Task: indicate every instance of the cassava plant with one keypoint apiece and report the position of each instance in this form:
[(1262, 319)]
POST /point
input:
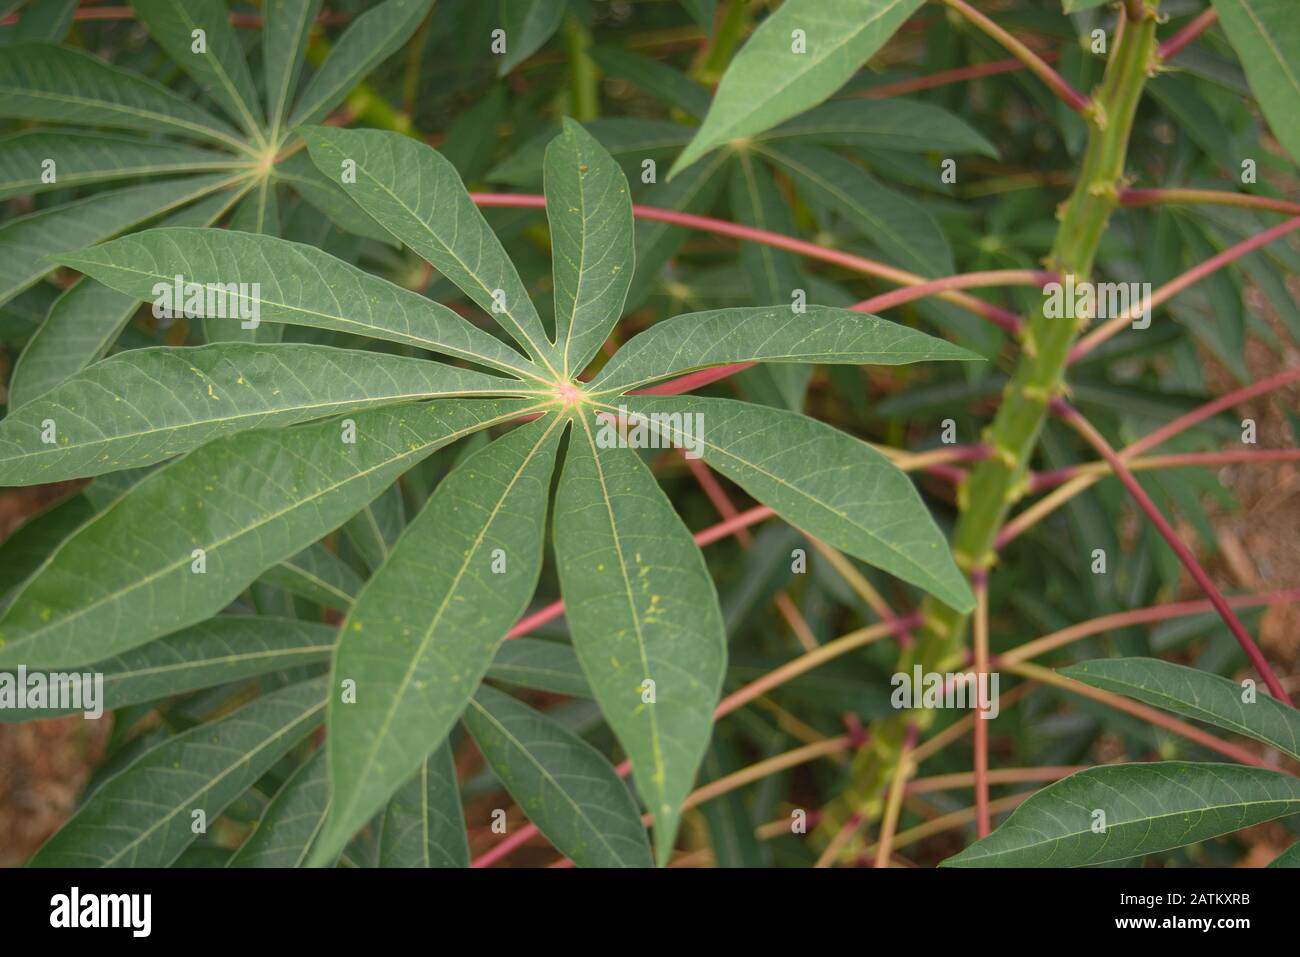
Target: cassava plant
[(418, 466)]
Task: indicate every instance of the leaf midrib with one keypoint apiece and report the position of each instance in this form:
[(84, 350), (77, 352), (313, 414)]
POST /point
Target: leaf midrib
[(398, 695), (222, 542), (659, 775), (902, 556)]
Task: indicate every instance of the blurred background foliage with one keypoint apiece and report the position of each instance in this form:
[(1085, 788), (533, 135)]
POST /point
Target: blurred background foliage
[(867, 181)]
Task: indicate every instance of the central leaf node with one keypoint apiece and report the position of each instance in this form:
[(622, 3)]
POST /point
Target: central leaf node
[(569, 394)]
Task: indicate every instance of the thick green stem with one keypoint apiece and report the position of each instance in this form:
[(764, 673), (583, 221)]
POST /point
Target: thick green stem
[(584, 79), (731, 28), (1000, 480)]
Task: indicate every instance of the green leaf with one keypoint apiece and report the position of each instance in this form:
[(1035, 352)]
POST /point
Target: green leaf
[(367, 42), (249, 501), (424, 630), (630, 140), (291, 283), (1288, 858), (284, 833), (821, 480), (28, 244), (326, 195), (694, 191), (1148, 808), (592, 255), (641, 607), (565, 786), (443, 225), (651, 76), (27, 546), (82, 325), (1074, 6), (81, 159), (542, 665), (218, 66), (1195, 694), (907, 126), (895, 225), (286, 31), (699, 340), (768, 81), (48, 20), (318, 575), (151, 404), (55, 84), (374, 530), (1266, 36), (773, 274), (259, 212), (224, 649), (141, 817), (423, 824), (528, 24)]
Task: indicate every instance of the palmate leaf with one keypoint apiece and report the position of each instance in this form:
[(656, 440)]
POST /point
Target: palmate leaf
[(699, 340), (145, 405), (1266, 36), (1195, 694), (423, 823), (28, 243), (248, 501), (226, 648), (528, 25), (1148, 808), (417, 195), (284, 833), (220, 68), (290, 283), (641, 607), (142, 817), (768, 81), (87, 319), (423, 632), (592, 256), (565, 786), (84, 158), (55, 84), (368, 41), (821, 480)]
